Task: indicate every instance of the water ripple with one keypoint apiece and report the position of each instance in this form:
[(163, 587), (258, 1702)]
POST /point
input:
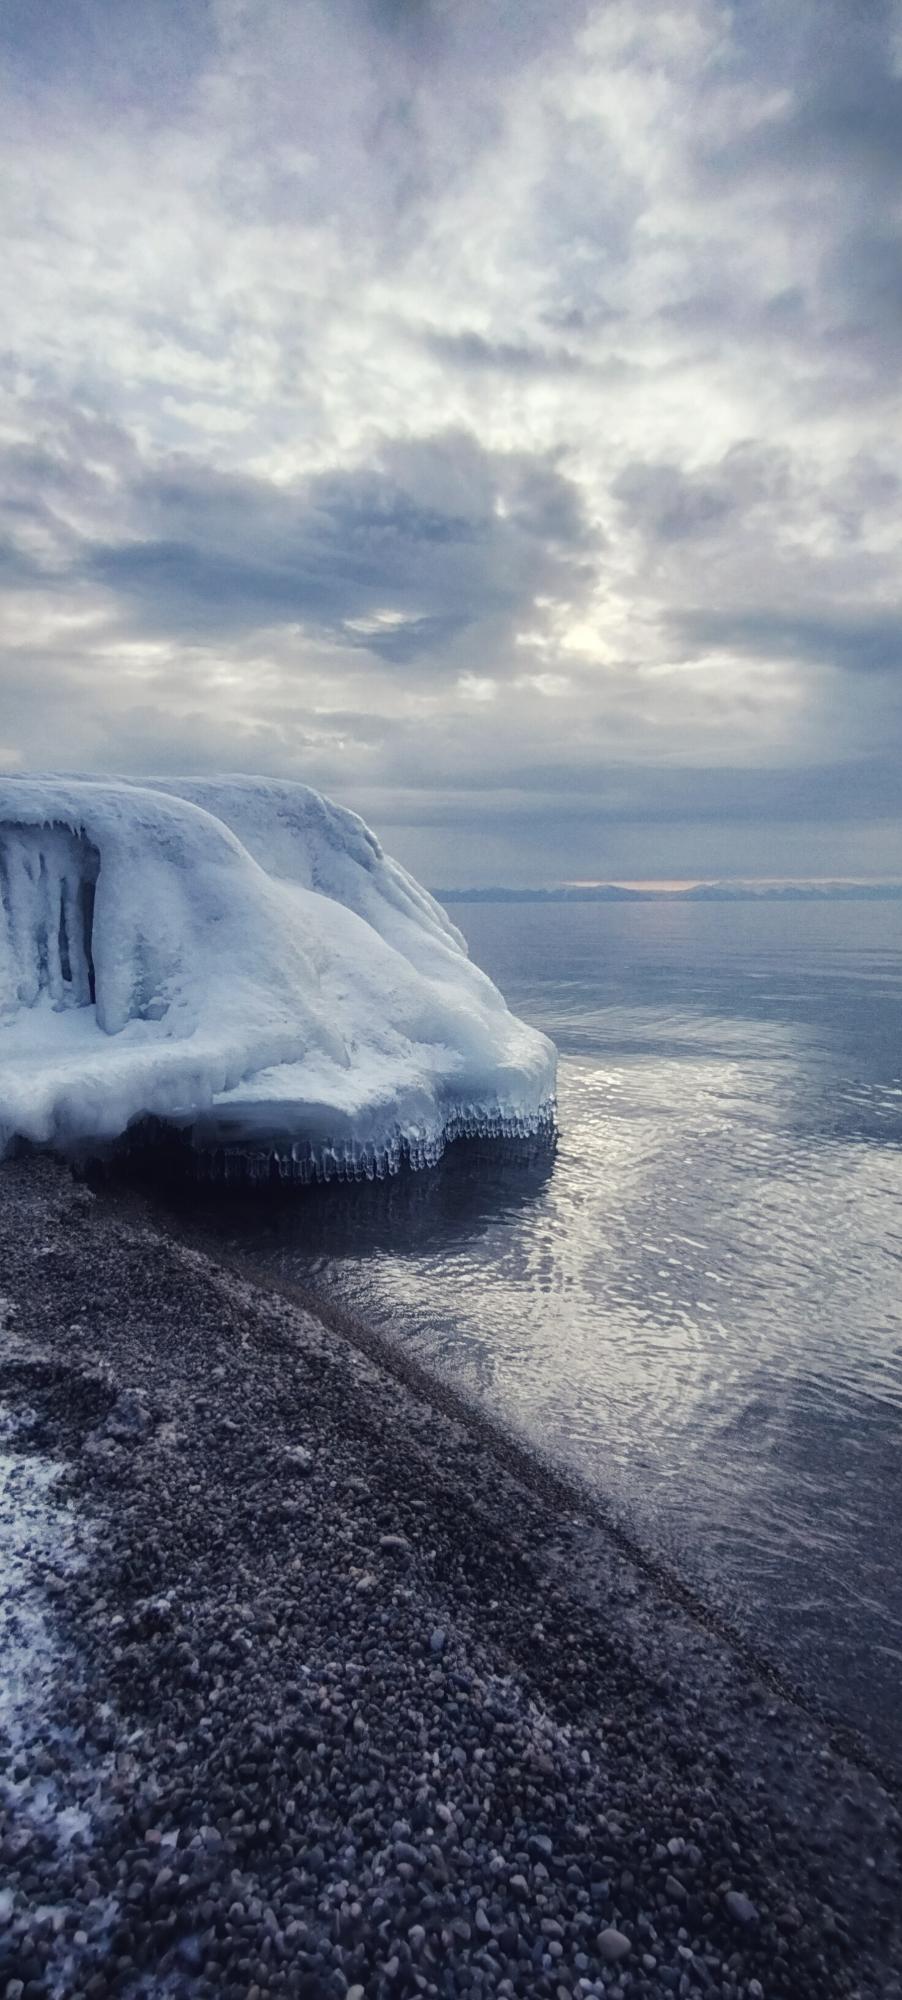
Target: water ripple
[(697, 1302)]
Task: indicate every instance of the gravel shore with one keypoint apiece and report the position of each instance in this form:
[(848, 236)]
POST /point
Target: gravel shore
[(340, 1697)]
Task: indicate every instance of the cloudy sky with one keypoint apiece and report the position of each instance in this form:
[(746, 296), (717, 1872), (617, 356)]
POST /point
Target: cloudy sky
[(485, 410)]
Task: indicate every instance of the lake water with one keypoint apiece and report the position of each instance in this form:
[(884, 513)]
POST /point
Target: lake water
[(696, 1300)]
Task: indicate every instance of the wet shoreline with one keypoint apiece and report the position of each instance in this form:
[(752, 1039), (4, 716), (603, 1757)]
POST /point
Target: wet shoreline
[(326, 1601)]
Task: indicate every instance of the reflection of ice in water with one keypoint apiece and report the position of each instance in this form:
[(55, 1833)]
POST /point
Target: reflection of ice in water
[(697, 1301)]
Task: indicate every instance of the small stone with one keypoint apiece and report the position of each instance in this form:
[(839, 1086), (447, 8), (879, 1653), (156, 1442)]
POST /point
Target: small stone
[(395, 1545), (437, 1641), (298, 1458), (740, 1907), (675, 1890), (130, 1418), (612, 1945)]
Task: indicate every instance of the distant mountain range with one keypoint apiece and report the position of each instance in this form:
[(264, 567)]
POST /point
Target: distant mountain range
[(699, 892)]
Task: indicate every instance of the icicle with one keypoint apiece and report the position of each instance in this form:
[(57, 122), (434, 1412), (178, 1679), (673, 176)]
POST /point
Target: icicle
[(47, 877)]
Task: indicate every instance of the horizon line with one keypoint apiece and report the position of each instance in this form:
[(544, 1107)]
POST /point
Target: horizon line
[(694, 888)]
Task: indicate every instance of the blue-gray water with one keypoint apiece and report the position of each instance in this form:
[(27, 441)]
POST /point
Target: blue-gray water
[(698, 1300)]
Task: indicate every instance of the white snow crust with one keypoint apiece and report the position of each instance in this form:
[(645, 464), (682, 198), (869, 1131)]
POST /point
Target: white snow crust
[(238, 957)]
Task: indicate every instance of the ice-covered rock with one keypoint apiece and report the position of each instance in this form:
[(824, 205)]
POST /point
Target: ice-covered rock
[(240, 958)]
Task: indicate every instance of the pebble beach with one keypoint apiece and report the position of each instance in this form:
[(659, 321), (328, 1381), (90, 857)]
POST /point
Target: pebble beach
[(318, 1685)]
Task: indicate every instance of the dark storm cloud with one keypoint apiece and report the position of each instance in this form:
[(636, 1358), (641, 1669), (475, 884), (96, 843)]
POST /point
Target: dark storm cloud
[(396, 556), (179, 588), (667, 503), (416, 640), (842, 108), (865, 642), (864, 790)]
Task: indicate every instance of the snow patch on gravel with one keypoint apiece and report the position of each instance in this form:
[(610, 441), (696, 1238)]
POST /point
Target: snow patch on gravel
[(36, 1537), (40, 1545)]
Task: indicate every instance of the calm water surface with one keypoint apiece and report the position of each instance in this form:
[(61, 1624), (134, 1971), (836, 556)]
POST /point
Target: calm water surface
[(697, 1300)]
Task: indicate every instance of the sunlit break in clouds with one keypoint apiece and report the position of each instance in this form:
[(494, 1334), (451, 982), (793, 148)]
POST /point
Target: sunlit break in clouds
[(488, 414)]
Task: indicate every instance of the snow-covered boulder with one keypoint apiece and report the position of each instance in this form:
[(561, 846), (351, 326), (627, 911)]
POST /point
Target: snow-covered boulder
[(239, 957)]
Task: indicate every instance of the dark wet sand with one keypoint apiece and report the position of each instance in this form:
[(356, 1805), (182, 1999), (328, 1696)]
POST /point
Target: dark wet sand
[(361, 1699)]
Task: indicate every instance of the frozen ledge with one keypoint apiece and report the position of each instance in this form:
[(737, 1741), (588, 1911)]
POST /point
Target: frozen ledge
[(239, 959)]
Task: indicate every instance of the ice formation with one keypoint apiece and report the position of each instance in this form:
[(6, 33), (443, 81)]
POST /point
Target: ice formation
[(238, 958)]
